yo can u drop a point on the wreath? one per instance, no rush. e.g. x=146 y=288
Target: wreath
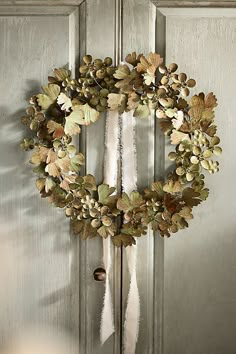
x=141 y=84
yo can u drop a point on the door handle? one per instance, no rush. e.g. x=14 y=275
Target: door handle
x=99 y=274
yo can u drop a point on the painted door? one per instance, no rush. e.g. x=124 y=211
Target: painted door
x=199 y=263
x=46 y=273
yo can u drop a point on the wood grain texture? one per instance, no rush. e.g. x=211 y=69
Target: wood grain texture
x=44 y=3
x=139 y=21
x=36 y=10
x=194 y=3
x=34 y=236
x=200 y=290
x=99 y=42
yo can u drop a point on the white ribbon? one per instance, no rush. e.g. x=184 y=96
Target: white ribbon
x=129 y=184
x=110 y=177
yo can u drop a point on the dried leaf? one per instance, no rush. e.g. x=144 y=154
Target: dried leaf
x=142 y=111
x=52 y=169
x=186 y=213
x=176 y=137
x=49 y=97
x=190 y=197
x=55 y=128
x=77 y=226
x=151 y=62
x=210 y=100
x=123 y=240
x=73 y=120
x=61 y=74
x=172 y=187
x=122 y=72
x=64 y=101
x=133 y=100
x=76 y=162
x=116 y=101
x=166 y=126
x=133 y=59
x=40 y=183
x=90 y=115
x=49 y=184
x=104 y=193
x=178 y=121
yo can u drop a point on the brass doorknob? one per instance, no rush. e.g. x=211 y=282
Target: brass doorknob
x=99 y=274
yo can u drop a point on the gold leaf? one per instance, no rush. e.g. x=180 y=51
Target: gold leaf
x=132 y=59
x=133 y=100
x=55 y=128
x=176 y=137
x=61 y=74
x=115 y=100
x=210 y=100
x=172 y=187
x=142 y=111
x=73 y=120
x=40 y=183
x=90 y=114
x=179 y=120
x=49 y=97
x=64 y=101
x=122 y=72
x=155 y=59
x=52 y=169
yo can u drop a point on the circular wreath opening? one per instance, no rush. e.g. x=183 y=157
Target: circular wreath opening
x=141 y=84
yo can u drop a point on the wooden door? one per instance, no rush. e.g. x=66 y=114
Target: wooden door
x=46 y=274
x=199 y=263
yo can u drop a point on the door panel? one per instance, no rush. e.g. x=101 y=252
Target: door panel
x=37 y=249
x=46 y=273
x=200 y=293
x=139 y=34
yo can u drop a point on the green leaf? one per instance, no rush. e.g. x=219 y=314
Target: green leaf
x=49 y=184
x=90 y=182
x=104 y=194
x=158 y=188
x=126 y=203
x=204 y=193
x=142 y=111
x=136 y=199
x=76 y=162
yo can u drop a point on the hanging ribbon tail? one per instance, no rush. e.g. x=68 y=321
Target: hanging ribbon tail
x=110 y=177
x=107 y=322
x=129 y=184
x=132 y=315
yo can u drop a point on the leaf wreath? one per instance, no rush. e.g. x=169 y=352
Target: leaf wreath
x=141 y=84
